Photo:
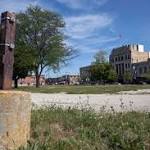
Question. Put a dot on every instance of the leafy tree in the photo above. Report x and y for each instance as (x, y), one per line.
(97, 72)
(112, 75)
(127, 77)
(40, 34)
(100, 57)
(103, 73)
(146, 76)
(22, 65)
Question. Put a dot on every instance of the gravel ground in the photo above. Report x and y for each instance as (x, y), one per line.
(124, 101)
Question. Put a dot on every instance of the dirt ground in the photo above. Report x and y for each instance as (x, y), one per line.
(123, 101)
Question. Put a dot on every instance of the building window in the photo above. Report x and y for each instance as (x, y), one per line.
(129, 57)
(117, 70)
(116, 59)
(140, 70)
(145, 69)
(121, 58)
(128, 65)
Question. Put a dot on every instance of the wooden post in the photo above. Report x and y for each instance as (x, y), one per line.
(7, 39)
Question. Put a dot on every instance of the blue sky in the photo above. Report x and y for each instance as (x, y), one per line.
(92, 25)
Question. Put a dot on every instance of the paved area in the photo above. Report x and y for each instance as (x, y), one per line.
(124, 101)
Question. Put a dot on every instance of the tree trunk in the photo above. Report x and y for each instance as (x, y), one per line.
(37, 80)
(16, 83)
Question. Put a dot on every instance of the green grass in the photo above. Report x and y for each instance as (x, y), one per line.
(84, 89)
(72, 129)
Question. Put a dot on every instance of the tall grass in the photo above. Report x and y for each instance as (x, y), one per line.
(57, 129)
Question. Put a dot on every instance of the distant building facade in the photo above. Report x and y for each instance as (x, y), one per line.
(130, 58)
(31, 80)
(85, 73)
(66, 79)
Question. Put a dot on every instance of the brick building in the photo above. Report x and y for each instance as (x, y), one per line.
(31, 80)
(130, 58)
(66, 79)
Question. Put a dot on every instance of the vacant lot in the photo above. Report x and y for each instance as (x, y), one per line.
(57, 129)
(135, 101)
(84, 89)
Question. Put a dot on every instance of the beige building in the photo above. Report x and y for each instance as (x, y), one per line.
(131, 58)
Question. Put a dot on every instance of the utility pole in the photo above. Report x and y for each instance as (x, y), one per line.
(7, 40)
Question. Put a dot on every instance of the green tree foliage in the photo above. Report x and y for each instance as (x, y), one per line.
(127, 77)
(112, 75)
(22, 65)
(103, 73)
(100, 57)
(40, 33)
(146, 76)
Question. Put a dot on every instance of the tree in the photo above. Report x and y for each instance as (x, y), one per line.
(112, 76)
(22, 65)
(100, 57)
(97, 72)
(41, 35)
(103, 73)
(127, 77)
(146, 76)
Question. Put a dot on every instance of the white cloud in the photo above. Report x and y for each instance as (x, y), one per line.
(16, 5)
(87, 33)
(84, 26)
(82, 4)
(92, 45)
(102, 40)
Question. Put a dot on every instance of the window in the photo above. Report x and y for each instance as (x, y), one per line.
(145, 69)
(128, 65)
(140, 70)
(129, 57)
(116, 59)
(117, 69)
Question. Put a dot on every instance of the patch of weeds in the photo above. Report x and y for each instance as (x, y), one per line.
(72, 129)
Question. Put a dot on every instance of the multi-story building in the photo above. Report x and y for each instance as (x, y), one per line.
(131, 58)
(128, 58)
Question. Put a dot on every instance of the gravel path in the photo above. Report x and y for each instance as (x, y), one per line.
(124, 101)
